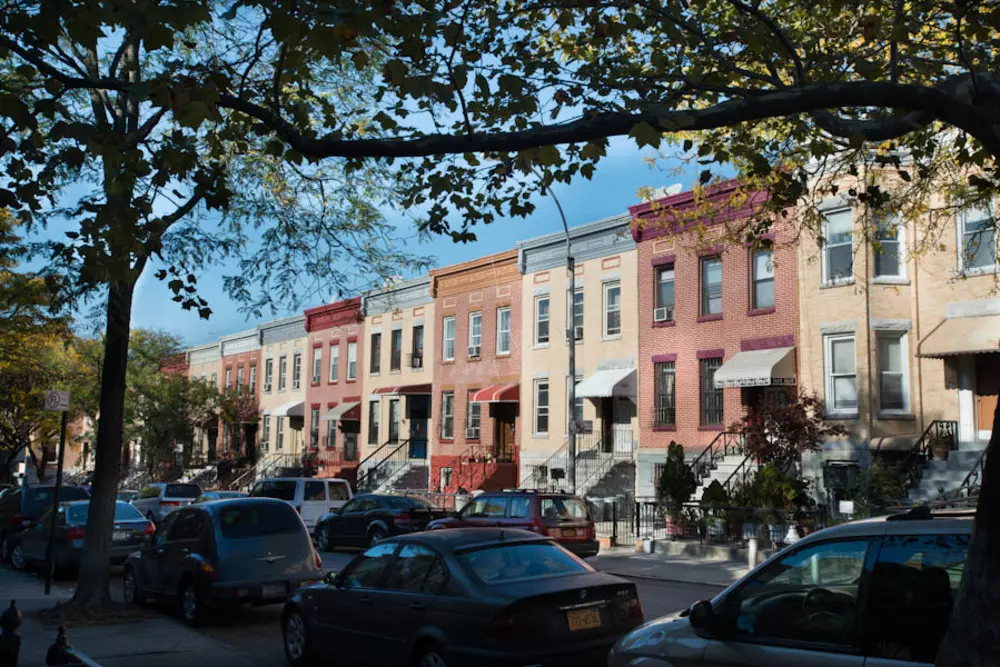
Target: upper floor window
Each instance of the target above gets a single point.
(297, 371)
(977, 239)
(712, 413)
(253, 379)
(711, 286)
(396, 350)
(352, 360)
(893, 373)
(417, 347)
(334, 363)
(541, 420)
(268, 375)
(215, 380)
(448, 343)
(503, 330)
(664, 308)
(841, 375)
(282, 372)
(447, 415)
(229, 377)
(317, 365)
(239, 377)
(376, 354)
(266, 438)
(612, 309)
(541, 320)
(763, 278)
(373, 422)
(475, 334)
(574, 322)
(838, 246)
(888, 251)
(473, 414)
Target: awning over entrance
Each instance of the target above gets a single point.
(290, 409)
(607, 383)
(343, 412)
(498, 393)
(405, 390)
(963, 335)
(758, 368)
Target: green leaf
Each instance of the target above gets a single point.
(645, 135)
(688, 145)
(27, 71)
(158, 36)
(548, 156)
(360, 59)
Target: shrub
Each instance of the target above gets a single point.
(677, 481)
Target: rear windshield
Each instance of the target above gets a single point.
(397, 503)
(182, 491)
(37, 500)
(282, 490)
(123, 512)
(256, 520)
(520, 562)
(558, 510)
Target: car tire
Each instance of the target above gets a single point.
(130, 588)
(191, 604)
(376, 535)
(323, 538)
(429, 655)
(295, 638)
(17, 560)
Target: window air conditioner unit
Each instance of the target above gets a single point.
(662, 314)
(474, 351)
(472, 433)
(267, 386)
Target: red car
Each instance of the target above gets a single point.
(557, 515)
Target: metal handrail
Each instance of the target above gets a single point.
(743, 473)
(373, 476)
(921, 451)
(724, 444)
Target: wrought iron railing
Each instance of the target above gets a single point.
(741, 476)
(386, 469)
(726, 443)
(920, 454)
(267, 466)
(415, 360)
(541, 476)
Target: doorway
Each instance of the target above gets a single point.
(418, 409)
(505, 436)
(616, 423)
(987, 391)
(350, 428)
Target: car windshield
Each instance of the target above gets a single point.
(282, 490)
(123, 512)
(256, 520)
(519, 562)
(182, 491)
(37, 500)
(559, 509)
(397, 503)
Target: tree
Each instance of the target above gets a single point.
(780, 433)
(677, 481)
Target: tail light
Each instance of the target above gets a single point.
(318, 559)
(591, 531)
(74, 533)
(208, 570)
(150, 528)
(19, 521)
(506, 625)
(629, 609)
(538, 527)
(402, 516)
(170, 503)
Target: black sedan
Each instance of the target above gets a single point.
(29, 546)
(479, 597)
(369, 519)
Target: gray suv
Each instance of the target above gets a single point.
(870, 593)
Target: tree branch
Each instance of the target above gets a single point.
(772, 25)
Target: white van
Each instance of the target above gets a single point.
(312, 497)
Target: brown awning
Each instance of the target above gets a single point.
(962, 335)
(405, 390)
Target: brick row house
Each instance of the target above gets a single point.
(240, 354)
(205, 365)
(282, 390)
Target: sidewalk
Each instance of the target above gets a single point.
(152, 642)
(625, 562)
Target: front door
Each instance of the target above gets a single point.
(419, 408)
(624, 410)
(505, 440)
(213, 438)
(987, 389)
(351, 430)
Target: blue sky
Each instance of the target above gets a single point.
(614, 187)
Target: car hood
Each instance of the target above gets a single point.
(670, 637)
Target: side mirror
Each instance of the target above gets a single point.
(702, 616)
(332, 579)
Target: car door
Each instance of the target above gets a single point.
(338, 524)
(800, 610)
(519, 512)
(153, 555)
(493, 512)
(314, 502)
(182, 542)
(35, 539)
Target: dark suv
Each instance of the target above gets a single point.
(21, 507)
(369, 519)
(562, 517)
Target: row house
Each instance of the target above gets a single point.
(477, 375)
(717, 321)
(240, 354)
(205, 365)
(603, 323)
(282, 389)
(396, 410)
(335, 340)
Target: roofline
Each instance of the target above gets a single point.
(472, 264)
(621, 219)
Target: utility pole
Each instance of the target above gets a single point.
(56, 401)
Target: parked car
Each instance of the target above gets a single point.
(21, 507)
(127, 495)
(209, 496)
(229, 552)
(29, 546)
(311, 497)
(369, 519)
(875, 592)
(562, 517)
(159, 499)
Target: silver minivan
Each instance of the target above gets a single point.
(874, 593)
(155, 501)
(312, 497)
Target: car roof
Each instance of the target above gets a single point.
(470, 538)
(215, 506)
(73, 503)
(915, 521)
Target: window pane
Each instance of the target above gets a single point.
(368, 569)
(763, 294)
(665, 410)
(890, 354)
(503, 330)
(842, 353)
(502, 564)
(542, 320)
(840, 262)
(979, 247)
(840, 227)
(520, 508)
(665, 291)
(890, 389)
(410, 568)
(711, 286)
(712, 413)
(845, 393)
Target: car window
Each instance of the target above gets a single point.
(164, 529)
(242, 521)
(809, 595)
(486, 507)
(39, 499)
(275, 488)
(314, 491)
(123, 512)
(518, 562)
(150, 492)
(914, 585)
(520, 507)
(369, 504)
(182, 491)
(366, 571)
(352, 506)
(188, 526)
(339, 491)
(557, 510)
(410, 569)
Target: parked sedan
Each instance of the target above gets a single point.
(369, 519)
(28, 547)
(228, 552)
(209, 496)
(21, 507)
(468, 597)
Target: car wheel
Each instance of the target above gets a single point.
(17, 558)
(191, 604)
(376, 535)
(323, 538)
(296, 636)
(130, 588)
(430, 656)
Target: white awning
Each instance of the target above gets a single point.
(337, 412)
(758, 368)
(962, 335)
(290, 409)
(612, 382)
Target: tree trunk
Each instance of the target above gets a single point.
(92, 586)
(973, 637)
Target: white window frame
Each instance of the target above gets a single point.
(282, 372)
(538, 319)
(904, 356)
(317, 373)
(962, 220)
(279, 438)
(900, 240)
(296, 371)
(605, 288)
(754, 279)
(471, 409)
(229, 376)
(503, 334)
(571, 312)
(267, 430)
(570, 411)
(239, 377)
(447, 416)
(268, 375)
(334, 363)
(827, 280)
(253, 378)
(445, 340)
(314, 427)
(352, 360)
(539, 410)
(828, 376)
(476, 340)
(215, 380)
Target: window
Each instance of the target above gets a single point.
(394, 420)
(574, 414)
(215, 380)
(416, 569)
(541, 320)
(188, 526)
(239, 377)
(893, 376)
(279, 427)
(763, 278)
(282, 372)
(711, 286)
(612, 309)
(314, 427)
(275, 488)
(317, 364)
(475, 333)
(417, 348)
(368, 568)
(503, 330)
(229, 377)
(711, 397)
(373, 422)
(396, 350)
(520, 507)
(253, 379)
(267, 430)
(913, 587)
(499, 565)
(666, 407)
(296, 371)
(486, 507)
(809, 595)
(978, 238)
(838, 247)
(664, 294)
(888, 250)
(541, 421)
(574, 323)
(446, 476)
(314, 491)
(473, 412)
(334, 363)
(352, 360)
(376, 354)
(268, 375)
(841, 375)
(447, 415)
(331, 434)
(448, 344)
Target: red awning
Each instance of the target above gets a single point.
(407, 390)
(497, 393)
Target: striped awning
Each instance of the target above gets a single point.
(405, 390)
(962, 335)
(343, 412)
(498, 393)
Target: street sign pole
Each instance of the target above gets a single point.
(55, 400)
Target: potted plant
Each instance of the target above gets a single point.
(675, 486)
(712, 501)
(941, 447)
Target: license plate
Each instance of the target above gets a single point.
(121, 535)
(583, 619)
(569, 532)
(273, 590)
